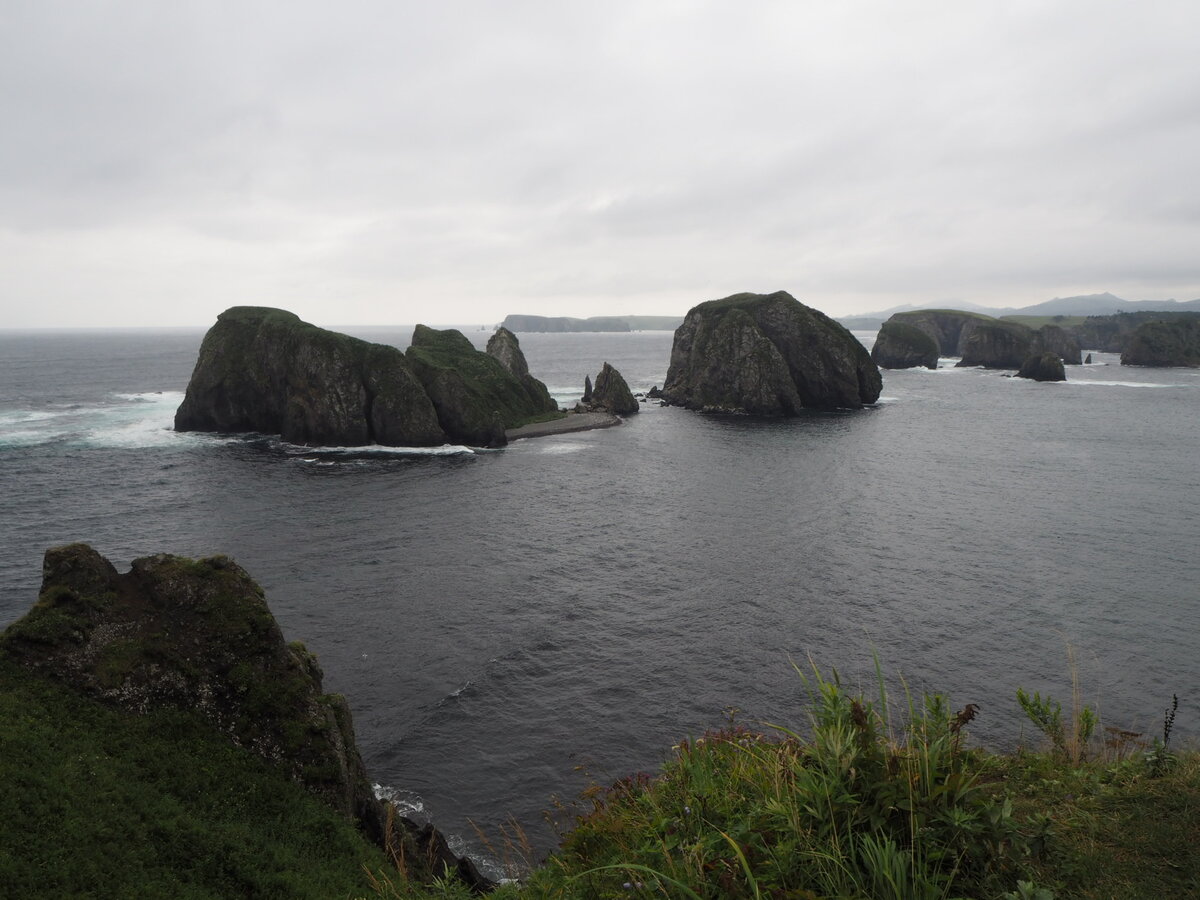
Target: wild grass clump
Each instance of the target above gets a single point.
(860, 807)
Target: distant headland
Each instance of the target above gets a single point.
(559, 324)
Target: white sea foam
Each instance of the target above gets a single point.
(1132, 384)
(314, 454)
(407, 803)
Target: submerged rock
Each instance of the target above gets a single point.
(611, 393)
(197, 635)
(900, 345)
(767, 355)
(262, 369)
(1044, 366)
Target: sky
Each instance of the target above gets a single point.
(455, 161)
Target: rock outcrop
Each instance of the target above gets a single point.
(1044, 366)
(197, 635)
(506, 349)
(998, 345)
(767, 355)
(949, 328)
(900, 345)
(1056, 340)
(264, 370)
(475, 396)
(1168, 343)
(612, 394)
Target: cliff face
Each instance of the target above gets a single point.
(1056, 340)
(475, 396)
(1168, 343)
(612, 393)
(949, 328)
(504, 347)
(900, 345)
(262, 369)
(197, 636)
(998, 345)
(767, 355)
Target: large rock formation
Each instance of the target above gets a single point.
(1056, 340)
(611, 393)
(1044, 366)
(265, 370)
(997, 345)
(506, 349)
(1168, 343)
(767, 355)
(949, 328)
(900, 345)
(475, 396)
(197, 635)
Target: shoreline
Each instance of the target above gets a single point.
(571, 422)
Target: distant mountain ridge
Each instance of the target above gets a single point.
(1084, 305)
(516, 323)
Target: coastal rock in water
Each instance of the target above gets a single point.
(612, 393)
(900, 345)
(949, 328)
(475, 396)
(1044, 366)
(1088, 361)
(262, 369)
(587, 389)
(998, 345)
(197, 635)
(1175, 342)
(506, 349)
(1056, 340)
(767, 355)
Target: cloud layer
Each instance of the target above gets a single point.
(394, 162)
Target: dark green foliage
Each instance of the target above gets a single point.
(97, 802)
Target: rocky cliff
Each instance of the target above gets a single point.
(767, 355)
(997, 345)
(264, 370)
(1168, 343)
(197, 635)
(504, 347)
(475, 395)
(1059, 342)
(949, 328)
(900, 345)
(611, 393)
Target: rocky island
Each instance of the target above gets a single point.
(919, 337)
(1175, 342)
(264, 370)
(767, 355)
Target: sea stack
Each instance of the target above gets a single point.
(767, 355)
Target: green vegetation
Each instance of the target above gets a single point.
(1036, 322)
(97, 802)
(863, 802)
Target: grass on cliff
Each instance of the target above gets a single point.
(95, 802)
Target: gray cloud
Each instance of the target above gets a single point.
(400, 162)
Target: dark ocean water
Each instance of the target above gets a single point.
(499, 619)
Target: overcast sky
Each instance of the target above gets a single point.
(454, 161)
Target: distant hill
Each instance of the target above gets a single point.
(557, 324)
(1085, 305)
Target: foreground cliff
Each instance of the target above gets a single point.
(196, 636)
(265, 370)
(767, 355)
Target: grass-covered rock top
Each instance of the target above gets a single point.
(767, 355)
(264, 370)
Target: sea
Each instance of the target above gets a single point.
(512, 626)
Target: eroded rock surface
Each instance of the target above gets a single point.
(767, 355)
